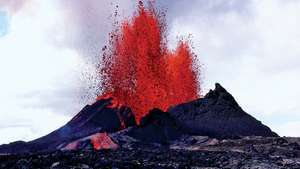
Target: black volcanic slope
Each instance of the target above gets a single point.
(156, 127)
(94, 118)
(218, 115)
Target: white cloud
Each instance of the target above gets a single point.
(252, 48)
(289, 129)
(12, 6)
(30, 63)
(27, 124)
(90, 22)
(47, 62)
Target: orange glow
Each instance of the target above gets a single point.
(102, 141)
(114, 102)
(140, 72)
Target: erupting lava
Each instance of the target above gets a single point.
(140, 72)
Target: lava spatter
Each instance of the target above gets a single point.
(140, 72)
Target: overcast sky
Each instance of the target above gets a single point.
(49, 49)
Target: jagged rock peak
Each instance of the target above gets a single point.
(218, 115)
(221, 95)
(219, 88)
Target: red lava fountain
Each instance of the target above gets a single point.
(140, 72)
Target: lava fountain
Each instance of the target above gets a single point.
(139, 71)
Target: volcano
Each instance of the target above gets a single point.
(217, 115)
(150, 113)
(209, 132)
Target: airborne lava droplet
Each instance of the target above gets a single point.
(140, 72)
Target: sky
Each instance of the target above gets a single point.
(49, 50)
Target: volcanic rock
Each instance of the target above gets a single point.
(190, 152)
(96, 118)
(218, 115)
(156, 127)
(96, 141)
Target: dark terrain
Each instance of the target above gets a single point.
(194, 152)
(212, 132)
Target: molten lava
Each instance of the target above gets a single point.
(102, 141)
(98, 141)
(114, 103)
(140, 72)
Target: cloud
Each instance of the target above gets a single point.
(251, 47)
(289, 129)
(47, 62)
(90, 21)
(29, 125)
(3, 23)
(12, 6)
(30, 62)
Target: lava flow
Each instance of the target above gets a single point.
(140, 72)
(102, 141)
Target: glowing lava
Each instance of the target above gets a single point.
(140, 72)
(102, 141)
(98, 141)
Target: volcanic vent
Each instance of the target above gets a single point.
(138, 69)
